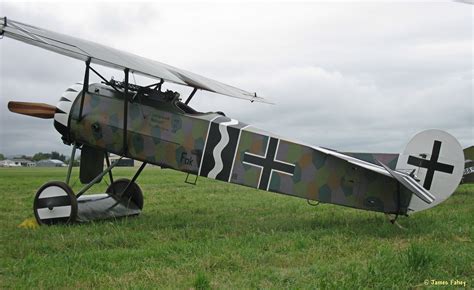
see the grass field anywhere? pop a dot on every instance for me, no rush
(218, 235)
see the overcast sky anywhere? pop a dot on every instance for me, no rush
(349, 76)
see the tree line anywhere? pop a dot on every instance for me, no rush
(41, 156)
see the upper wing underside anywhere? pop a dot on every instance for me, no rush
(100, 54)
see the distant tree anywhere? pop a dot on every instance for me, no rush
(2, 157)
(41, 156)
(53, 155)
(56, 155)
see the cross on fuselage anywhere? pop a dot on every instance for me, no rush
(431, 165)
(268, 163)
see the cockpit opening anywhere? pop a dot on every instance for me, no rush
(153, 96)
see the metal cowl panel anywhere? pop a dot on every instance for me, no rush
(63, 108)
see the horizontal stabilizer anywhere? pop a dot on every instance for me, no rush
(355, 161)
(404, 179)
(411, 184)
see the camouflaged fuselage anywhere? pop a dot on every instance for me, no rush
(214, 146)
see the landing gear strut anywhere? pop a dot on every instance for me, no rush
(56, 203)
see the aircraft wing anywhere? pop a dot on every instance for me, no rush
(100, 54)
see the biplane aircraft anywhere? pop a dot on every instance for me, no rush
(146, 123)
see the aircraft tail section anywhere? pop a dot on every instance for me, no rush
(411, 184)
(431, 166)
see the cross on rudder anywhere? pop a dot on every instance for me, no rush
(432, 165)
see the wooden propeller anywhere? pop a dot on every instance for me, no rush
(39, 110)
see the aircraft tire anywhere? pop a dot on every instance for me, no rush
(55, 203)
(134, 193)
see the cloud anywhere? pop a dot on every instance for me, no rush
(362, 77)
(335, 110)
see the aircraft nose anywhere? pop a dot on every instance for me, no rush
(63, 108)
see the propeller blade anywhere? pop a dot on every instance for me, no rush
(39, 110)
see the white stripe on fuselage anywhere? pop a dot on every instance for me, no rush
(217, 152)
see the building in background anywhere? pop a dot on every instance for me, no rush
(9, 163)
(24, 162)
(50, 163)
(124, 162)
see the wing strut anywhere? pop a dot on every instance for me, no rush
(85, 87)
(191, 96)
(125, 112)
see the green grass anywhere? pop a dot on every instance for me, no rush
(218, 235)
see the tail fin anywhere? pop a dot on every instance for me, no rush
(435, 159)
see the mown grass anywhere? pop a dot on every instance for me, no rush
(218, 235)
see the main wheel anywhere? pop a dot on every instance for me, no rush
(134, 193)
(55, 203)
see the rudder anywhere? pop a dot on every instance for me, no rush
(435, 159)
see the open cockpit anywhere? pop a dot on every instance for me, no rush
(152, 96)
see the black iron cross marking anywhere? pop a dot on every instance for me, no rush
(268, 163)
(432, 165)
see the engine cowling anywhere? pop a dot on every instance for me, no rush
(63, 108)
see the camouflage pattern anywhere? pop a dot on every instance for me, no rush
(214, 146)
